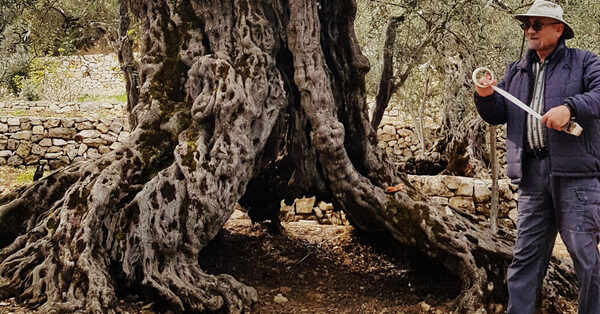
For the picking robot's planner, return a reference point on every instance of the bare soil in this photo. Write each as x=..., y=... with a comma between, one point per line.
x=328, y=269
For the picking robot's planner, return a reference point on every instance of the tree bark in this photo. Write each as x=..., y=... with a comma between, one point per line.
x=234, y=95
x=386, y=82
x=127, y=62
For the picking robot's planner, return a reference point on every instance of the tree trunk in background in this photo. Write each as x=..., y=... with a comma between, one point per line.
x=460, y=149
x=250, y=101
x=386, y=82
x=127, y=62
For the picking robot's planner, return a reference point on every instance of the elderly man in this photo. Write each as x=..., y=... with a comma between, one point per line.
x=558, y=173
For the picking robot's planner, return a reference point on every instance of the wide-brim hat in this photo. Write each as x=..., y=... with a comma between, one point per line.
x=541, y=8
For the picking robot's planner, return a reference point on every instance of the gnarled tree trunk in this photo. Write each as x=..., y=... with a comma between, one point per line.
x=459, y=148
x=237, y=98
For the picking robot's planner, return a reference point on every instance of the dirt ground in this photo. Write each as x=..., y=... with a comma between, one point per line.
x=318, y=269
x=328, y=269
x=311, y=268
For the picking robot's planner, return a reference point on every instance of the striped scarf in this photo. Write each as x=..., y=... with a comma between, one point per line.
x=537, y=134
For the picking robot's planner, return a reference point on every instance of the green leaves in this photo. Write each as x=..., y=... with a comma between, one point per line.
x=59, y=27
x=37, y=28
x=465, y=34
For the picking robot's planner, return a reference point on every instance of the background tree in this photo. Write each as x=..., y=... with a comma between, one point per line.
x=14, y=56
x=471, y=34
x=249, y=101
x=31, y=29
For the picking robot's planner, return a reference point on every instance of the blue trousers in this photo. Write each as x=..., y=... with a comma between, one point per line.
x=548, y=205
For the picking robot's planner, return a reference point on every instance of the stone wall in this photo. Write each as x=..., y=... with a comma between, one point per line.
x=58, y=141
x=73, y=109
x=306, y=209
x=397, y=138
x=472, y=195
x=97, y=74
x=468, y=194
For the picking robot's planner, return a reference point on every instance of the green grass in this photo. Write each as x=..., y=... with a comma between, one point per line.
x=25, y=176
x=97, y=98
x=121, y=98
x=88, y=98
x=14, y=113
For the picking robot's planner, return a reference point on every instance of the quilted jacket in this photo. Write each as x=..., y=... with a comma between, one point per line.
x=572, y=76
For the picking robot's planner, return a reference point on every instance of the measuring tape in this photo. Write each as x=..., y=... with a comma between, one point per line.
x=571, y=127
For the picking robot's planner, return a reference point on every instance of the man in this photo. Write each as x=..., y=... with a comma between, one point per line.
x=558, y=173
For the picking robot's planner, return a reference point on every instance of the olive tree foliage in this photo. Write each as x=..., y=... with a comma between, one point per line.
x=437, y=46
x=59, y=27
x=38, y=28
x=584, y=18
x=462, y=35
x=13, y=51
x=472, y=30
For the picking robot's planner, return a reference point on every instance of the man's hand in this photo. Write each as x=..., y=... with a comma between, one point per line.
x=486, y=81
x=557, y=117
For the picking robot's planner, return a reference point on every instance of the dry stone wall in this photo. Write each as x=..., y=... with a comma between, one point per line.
x=74, y=109
x=58, y=141
x=97, y=74
x=469, y=194
x=398, y=140
x=401, y=143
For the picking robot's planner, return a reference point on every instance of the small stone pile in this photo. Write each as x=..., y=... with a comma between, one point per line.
x=304, y=209
x=58, y=141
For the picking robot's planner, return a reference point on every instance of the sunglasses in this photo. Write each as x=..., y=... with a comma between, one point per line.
x=537, y=26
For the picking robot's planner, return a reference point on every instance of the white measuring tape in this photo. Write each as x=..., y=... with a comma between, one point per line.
x=571, y=127
x=479, y=69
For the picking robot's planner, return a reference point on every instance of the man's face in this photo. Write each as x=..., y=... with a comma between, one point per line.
x=547, y=37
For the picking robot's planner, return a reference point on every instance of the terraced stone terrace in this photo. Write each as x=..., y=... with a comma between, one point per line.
x=57, y=134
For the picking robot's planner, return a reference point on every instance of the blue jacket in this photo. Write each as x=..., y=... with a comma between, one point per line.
x=573, y=77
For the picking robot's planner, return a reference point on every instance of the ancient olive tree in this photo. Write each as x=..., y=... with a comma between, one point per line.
x=249, y=101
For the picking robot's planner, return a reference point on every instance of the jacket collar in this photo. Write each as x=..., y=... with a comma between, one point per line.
x=554, y=56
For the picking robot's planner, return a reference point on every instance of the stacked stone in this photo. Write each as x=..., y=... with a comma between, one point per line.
x=398, y=141
x=304, y=210
x=99, y=73
x=58, y=141
x=469, y=194
x=83, y=109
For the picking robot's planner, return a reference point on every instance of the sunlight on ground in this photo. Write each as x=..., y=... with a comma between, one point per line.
x=12, y=178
